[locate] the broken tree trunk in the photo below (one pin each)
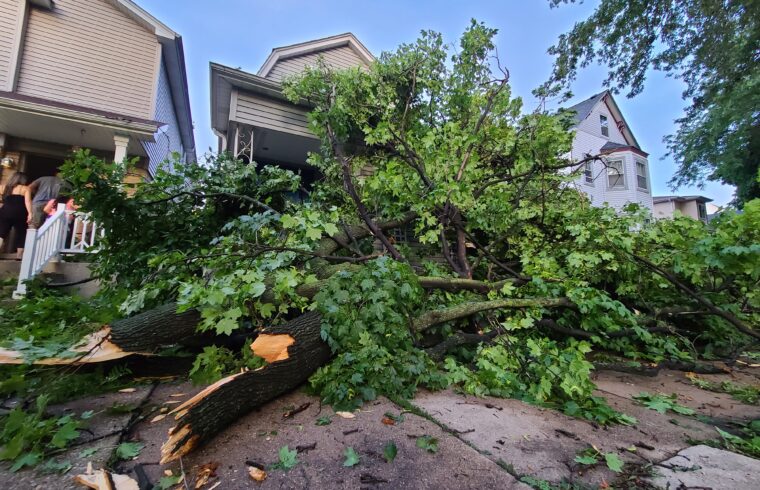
(294, 351)
(145, 333)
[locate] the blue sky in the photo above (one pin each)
(241, 33)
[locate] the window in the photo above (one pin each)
(641, 174)
(588, 173)
(604, 125)
(615, 174)
(702, 210)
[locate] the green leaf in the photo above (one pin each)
(26, 459)
(390, 451)
(67, 433)
(288, 458)
(86, 453)
(587, 460)
(324, 420)
(428, 443)
(167, 482)
(128, 450)
(352, 459)
(614, 462)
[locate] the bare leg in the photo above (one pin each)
(19, 253)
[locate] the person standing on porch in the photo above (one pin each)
(16, 212)
(39, 193)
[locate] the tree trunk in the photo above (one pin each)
(294, 351)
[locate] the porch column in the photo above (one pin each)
(120, 143)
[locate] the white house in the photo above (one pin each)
(622, 177)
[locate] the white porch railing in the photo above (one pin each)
(52, 239)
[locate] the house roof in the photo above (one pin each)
(584, 108)
(300, 49)
(174, 60)
(661, 199)
(224, 79)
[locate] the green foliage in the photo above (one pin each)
(288, 459)
(352, 459)
(323, 420)
(216, 362)
(390, 451)
(27, 437)
(743, 393)
(375, 353)
(167, 482)
(662, 403)
(45, 324)
(428, 443)
(710, 46)
(748, 443)
(592, 456)
(128, 450)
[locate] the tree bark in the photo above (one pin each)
(295, 350)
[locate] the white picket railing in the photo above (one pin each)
(51, 240)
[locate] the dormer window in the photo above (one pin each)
(604, 125)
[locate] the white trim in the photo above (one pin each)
(285, 52)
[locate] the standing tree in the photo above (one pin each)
(505, 283)
(711, 45)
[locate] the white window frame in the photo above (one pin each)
(604, 125)
(611, 164)
(643, 163)
(588, 173)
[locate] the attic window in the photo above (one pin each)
(604, 125)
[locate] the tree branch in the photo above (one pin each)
(435, 317)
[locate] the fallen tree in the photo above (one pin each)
(464, 257)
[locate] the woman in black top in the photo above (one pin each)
(14, 213)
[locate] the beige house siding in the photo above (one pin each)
(270, 114)
(342, 57)
(88, 53)
(9, 10)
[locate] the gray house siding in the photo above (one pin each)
(270, 114)
(90, 54)
(342, 57)
(168, 139)
(9, 10)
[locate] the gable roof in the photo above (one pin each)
(174, 60)
(294, 50)
(583, 109)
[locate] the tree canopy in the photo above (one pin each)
(712, 46)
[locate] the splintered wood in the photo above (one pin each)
(96, 347)
(272, 348)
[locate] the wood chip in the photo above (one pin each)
(128, 390)
(172, 402)
(100, 480)
(257, 474)
(345, 415)
(177, 395)
(158, 418)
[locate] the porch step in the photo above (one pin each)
(9, 269)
